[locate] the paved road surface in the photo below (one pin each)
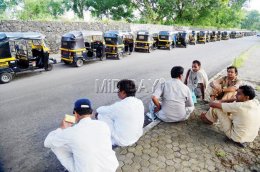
(34, 104)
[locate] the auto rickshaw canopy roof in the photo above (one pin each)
(22, 36)
(143, 32)
(113, 34)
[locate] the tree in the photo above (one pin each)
(78, 6)
(251, 20)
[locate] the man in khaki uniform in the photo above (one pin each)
(224, 88)
(244, 122)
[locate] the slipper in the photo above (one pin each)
(205, 119)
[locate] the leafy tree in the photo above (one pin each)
(78, 6)
(252, 20)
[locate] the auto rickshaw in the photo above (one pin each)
(144, 41)
(114, 44)
(213, 36)
(182, 39)
(193, 37)
(208, 36)
(219, 35)
(22, 51)
(78, 47)
(233, 35)
(225, 35)
(167, 39)
(156, 40)
(202, 37)
(128, 39)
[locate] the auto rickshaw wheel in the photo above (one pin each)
(119, 56)
(79, 63)
(6, 77)
(49, 67)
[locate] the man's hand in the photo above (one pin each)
(65, 124)
(157, 109)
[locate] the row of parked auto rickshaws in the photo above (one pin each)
(27, 51)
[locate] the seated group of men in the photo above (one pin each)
(87, 145)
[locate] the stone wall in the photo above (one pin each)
(54, 30)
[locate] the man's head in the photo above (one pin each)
(126, 88)
(82, 108)
(232, 72)
(196, 66)
(245, 93)
(177, 72)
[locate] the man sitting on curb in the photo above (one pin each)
(86, 146)
(126, 117)
(224, 88)
(196, 79)
(177, 104)
(244, 123)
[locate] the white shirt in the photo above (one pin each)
(195, 78)
(125, 119)
(176, 96)
(85, 147)
(245, 119)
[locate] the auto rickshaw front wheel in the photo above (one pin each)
(5, 77)
(79, 63)
(49, 67)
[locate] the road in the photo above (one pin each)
(32, 105)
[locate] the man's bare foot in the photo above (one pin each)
(205, 119)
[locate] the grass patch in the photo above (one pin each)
(257, 88)
(221, 154)
(240, 60)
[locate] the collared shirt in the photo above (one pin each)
(85, 147)
(245, 119)
(195, 78)
(125, 119)
(225, 82)
(175, 97)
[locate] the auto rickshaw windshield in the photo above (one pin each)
(112, 41)
(142, 37)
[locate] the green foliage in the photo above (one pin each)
(41, 9)
(252, 20)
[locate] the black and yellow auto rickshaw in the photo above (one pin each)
(182, 39)
(213, 36)
(78, 47)
(225, 35)
(128, 40)
(114, 43)
(167, 39)
(202, 37)
(144, 41)
(207, 36)
(233, 34)
(22, 51)
(156, 40)
(219, 35)
(193, 37)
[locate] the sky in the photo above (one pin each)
(254, 5)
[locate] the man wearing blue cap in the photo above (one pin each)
(85, 146)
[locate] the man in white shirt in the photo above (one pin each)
(239, 120)
(85, 146)
(126, 117)
(176, 100)
(197, 79)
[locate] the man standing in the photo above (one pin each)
(244, 122)
(176, 98)
(84, 147)
(126, 117)
(197, 79)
